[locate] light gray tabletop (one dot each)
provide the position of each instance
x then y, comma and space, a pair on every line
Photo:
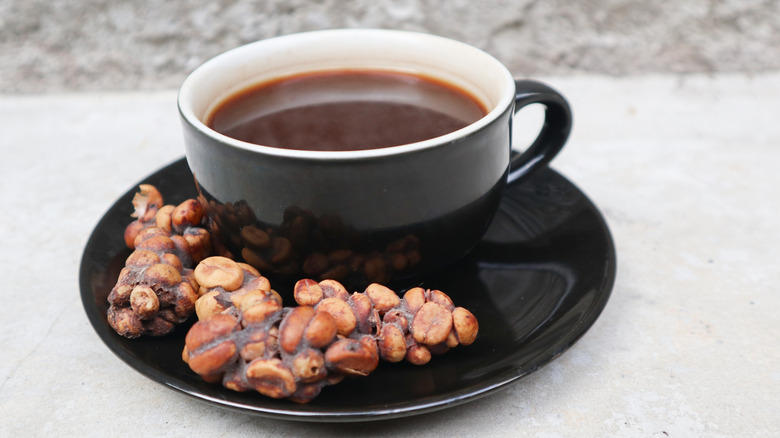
686, 170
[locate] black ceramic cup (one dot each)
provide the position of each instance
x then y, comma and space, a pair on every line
367, 215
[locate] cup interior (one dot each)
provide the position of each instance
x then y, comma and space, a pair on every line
463, 66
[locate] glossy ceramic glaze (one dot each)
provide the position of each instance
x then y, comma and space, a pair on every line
440, 194
537, 281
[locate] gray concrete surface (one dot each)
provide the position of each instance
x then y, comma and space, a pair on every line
65, 45
683, 169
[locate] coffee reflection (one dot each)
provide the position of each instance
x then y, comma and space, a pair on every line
312, 246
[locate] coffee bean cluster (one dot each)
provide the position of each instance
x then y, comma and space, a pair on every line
156, 289
293, 352
244, 337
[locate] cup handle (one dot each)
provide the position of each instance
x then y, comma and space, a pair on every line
554, 133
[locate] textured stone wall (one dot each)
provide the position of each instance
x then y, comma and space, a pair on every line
62, 45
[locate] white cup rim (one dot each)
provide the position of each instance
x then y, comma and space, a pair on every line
478, 62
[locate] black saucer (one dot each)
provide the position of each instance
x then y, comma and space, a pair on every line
537, 282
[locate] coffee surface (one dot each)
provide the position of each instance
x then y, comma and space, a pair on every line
345, 110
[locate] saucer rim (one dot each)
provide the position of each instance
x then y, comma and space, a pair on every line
295, 412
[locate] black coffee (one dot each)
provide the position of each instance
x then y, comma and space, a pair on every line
345, 110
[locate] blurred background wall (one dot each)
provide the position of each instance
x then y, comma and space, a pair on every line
88, 45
